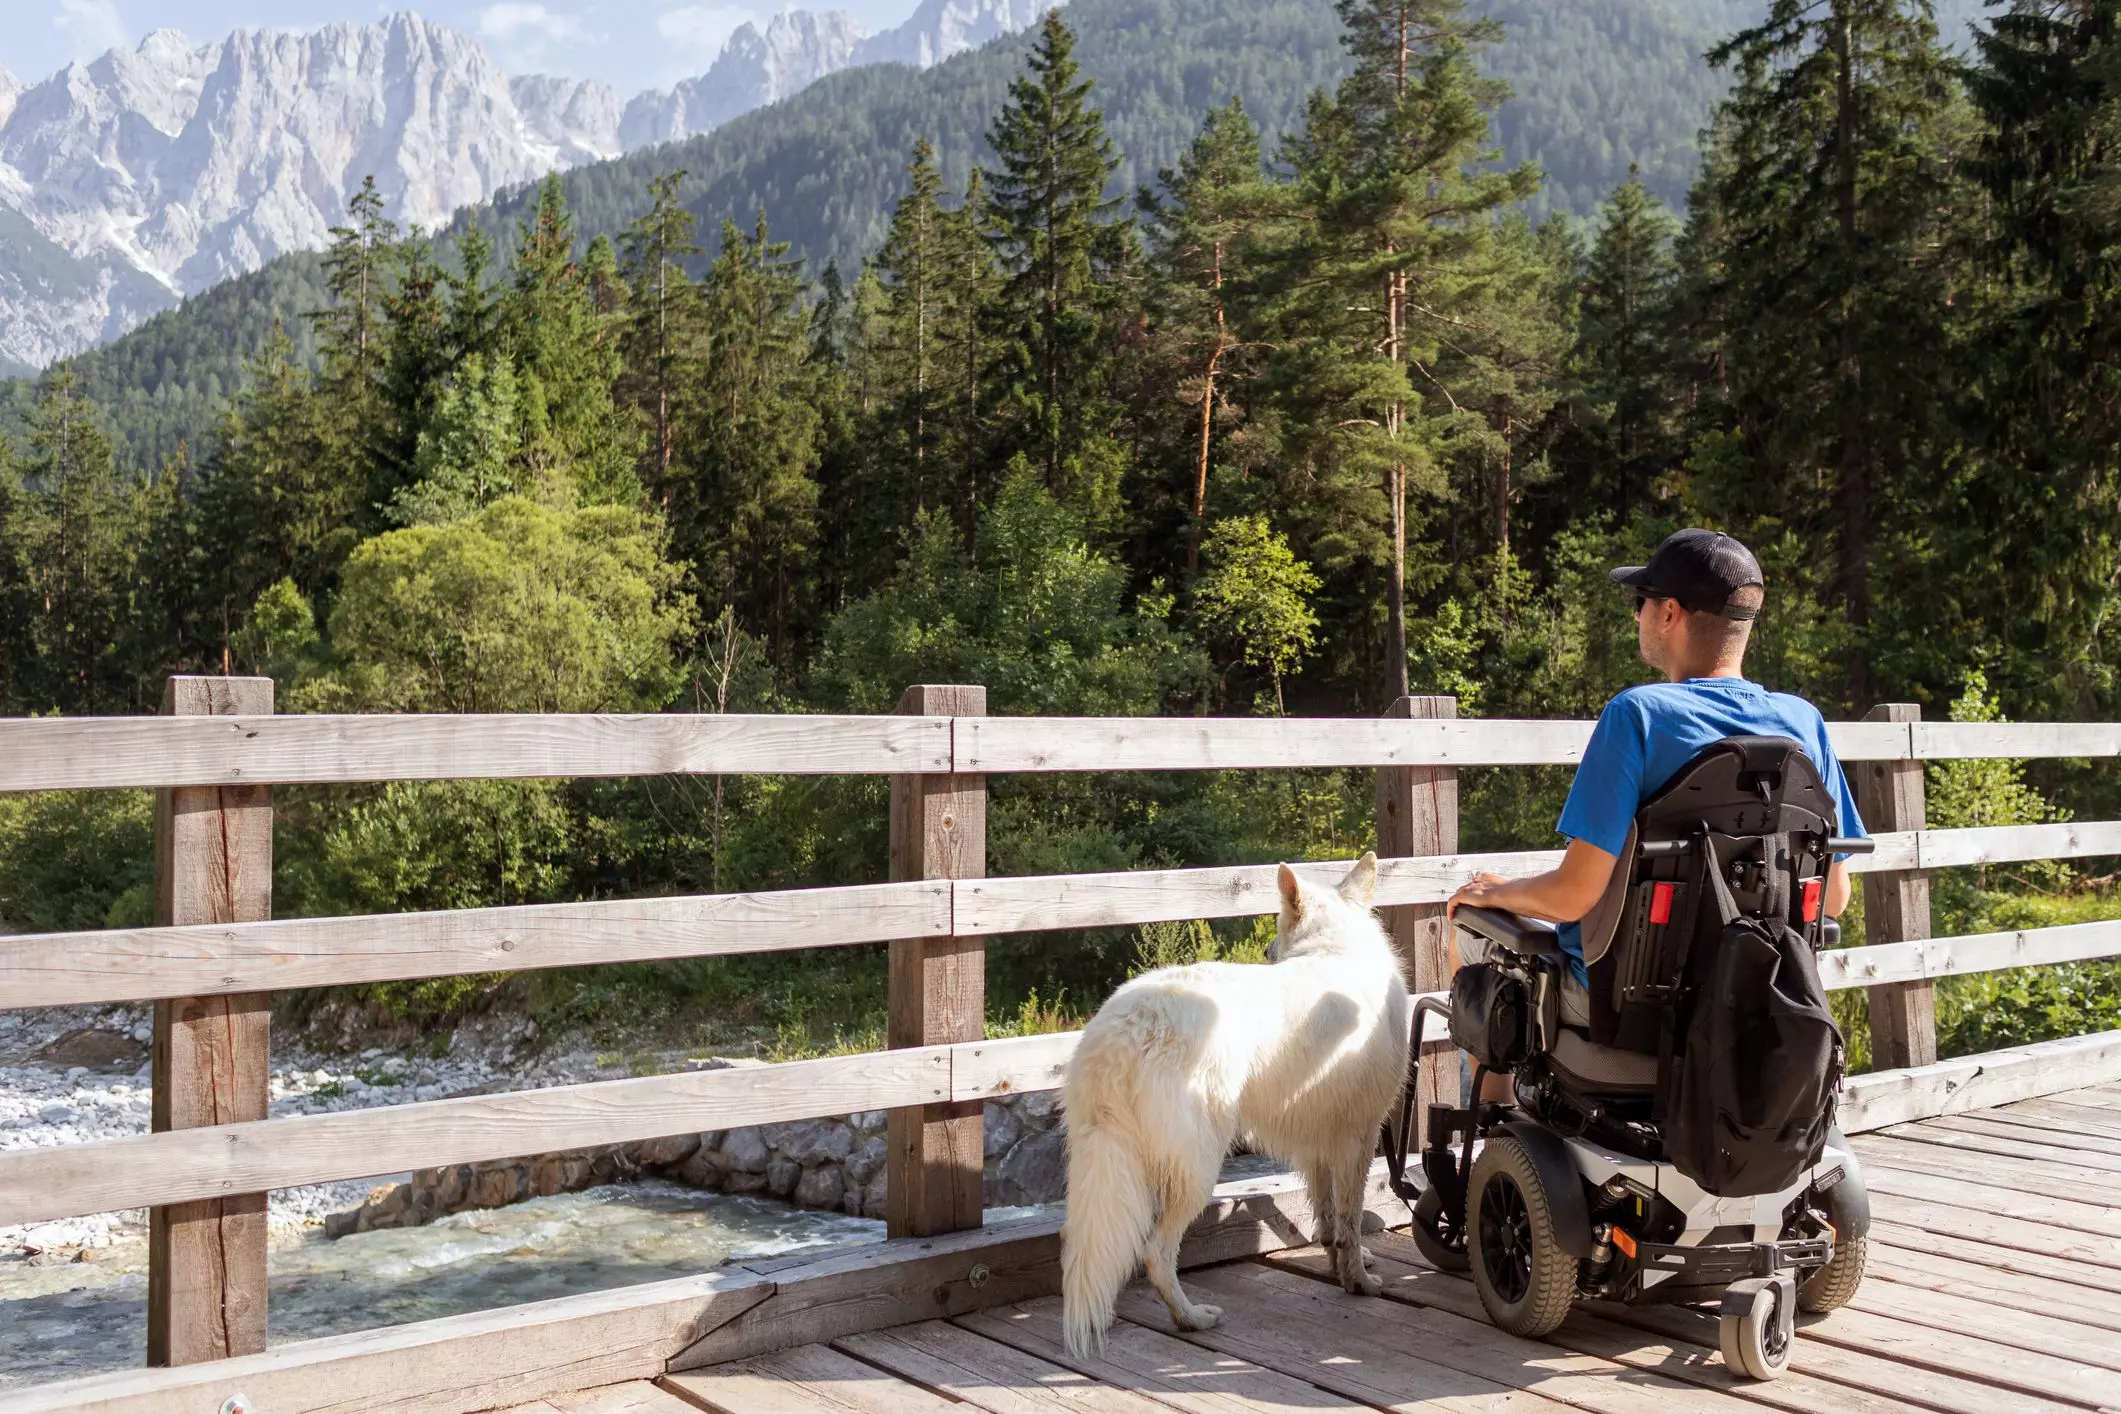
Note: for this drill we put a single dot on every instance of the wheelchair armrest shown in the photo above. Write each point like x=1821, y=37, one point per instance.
x=1527, y=937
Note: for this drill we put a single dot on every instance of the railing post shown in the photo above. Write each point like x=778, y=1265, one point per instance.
x=213, y=864
x=1417, y=814
x=1896, y=905
x=938, y=986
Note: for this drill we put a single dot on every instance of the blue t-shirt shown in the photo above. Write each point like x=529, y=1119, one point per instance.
x=1647, y=733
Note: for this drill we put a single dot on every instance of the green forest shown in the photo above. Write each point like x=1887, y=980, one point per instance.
x=1299, y=427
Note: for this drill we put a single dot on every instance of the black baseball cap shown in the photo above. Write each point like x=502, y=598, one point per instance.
x=1701, y=569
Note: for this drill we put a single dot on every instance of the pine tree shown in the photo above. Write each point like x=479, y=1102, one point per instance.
x=2033, y=526
x=912, y=269
x=1396, y=260
x=662, y=329
x=748, y=516
x=71, y=544
x=576, y=443
x=1063, y=247
x=966, y=348
x=274, y=499
x=360, y=267
x=1829, y=180
x=1622, y=340
x=1203, y=230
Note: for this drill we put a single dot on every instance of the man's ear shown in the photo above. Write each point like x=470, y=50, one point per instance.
x=1361, y=884
x=1292, y=897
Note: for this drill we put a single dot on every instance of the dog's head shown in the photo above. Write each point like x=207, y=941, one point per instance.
x=1306, y=909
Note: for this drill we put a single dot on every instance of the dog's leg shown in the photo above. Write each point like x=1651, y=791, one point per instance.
x=1351, y=1176
x=1183, y=1198
x=1318, y=1184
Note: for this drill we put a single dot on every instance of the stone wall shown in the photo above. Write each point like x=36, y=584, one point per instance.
x=819, y=1163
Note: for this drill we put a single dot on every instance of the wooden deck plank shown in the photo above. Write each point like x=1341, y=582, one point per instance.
x=988, y=1374
x=1943, y=1220
x=2089, y=1118
x=2024, y=1129
x=1278, y=1316
x=2020, y=1146
x=1391, y=1367
x=1408, y=1278
x=634, y=1397
x=804, y=1378
x=1175, y=1373
x=2054, y=1178
x=2053, y=1333
x=2043, y=1295
x=1869, y=1352
x=1895, y=1240
x=1981, y=1197
x=2026, y=1374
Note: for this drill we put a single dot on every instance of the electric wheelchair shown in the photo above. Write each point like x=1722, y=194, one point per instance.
x=1671, y=1138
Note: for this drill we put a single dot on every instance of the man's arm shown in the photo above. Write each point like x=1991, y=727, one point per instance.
x=1560, y=895
x=1839, y=887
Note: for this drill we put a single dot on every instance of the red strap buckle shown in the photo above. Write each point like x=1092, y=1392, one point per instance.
x=1813, y=888
x=1660, y=903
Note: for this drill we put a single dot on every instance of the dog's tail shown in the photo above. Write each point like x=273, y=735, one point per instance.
x=1109, y=1218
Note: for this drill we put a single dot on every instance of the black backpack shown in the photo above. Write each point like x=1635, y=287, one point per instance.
x=1750, y=1091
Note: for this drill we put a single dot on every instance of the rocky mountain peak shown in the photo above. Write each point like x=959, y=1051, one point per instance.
x=152, y=172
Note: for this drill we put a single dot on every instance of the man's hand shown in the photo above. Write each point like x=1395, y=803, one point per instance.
x=1477, y=891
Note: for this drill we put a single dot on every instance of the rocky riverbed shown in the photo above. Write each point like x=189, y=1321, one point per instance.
x=377, y=1251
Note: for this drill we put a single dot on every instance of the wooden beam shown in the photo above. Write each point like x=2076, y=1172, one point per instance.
x=937, y=989
x=1887, y=1097
x=1931, y=958
x=1896, y=906
x=133, y=964
x=136, y=964
x=89, y=753
x=449, y=1366
x=994, y=744
x=182, y=1165
x=1943, y=741
x=1417, y=817
x=210, y=1055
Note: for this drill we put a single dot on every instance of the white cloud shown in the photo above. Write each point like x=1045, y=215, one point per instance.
x=92, y=27
x=696, y=33
x=524, y=19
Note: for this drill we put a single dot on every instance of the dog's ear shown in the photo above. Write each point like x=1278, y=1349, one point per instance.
x=1361, y=883
x=1292, y=896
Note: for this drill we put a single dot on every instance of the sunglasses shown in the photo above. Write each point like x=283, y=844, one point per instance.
x=1645, y=596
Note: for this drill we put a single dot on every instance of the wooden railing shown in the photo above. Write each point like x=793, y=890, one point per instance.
x=214, y=957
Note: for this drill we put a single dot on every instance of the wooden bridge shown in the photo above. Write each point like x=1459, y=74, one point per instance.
x=1998, y=1260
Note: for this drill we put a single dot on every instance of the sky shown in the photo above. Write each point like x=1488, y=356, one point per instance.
x=629, y=44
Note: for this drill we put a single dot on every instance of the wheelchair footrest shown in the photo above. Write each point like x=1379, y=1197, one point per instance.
x=1733, y=1261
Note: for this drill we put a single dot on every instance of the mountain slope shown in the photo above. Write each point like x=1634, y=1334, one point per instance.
x=1599, y=84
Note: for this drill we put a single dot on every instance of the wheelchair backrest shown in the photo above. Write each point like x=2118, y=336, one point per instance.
x=1752, y=807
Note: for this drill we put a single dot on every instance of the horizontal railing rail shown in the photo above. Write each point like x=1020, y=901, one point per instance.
x=104, y=965
x=99, y=753
x=935, y=915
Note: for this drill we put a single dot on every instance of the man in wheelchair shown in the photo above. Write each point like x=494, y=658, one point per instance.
x=1655, y=1064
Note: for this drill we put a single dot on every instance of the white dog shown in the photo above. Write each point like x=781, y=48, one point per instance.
x=1303, y=1058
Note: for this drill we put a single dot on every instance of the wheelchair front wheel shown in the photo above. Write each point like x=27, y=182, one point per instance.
x=1525, y=1280
x=1443, y=1244
x=1757, y=1344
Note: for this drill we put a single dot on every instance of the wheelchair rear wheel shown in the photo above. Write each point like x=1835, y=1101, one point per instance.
x=1834, y=1285
x=1526, y=1281
x=1440, y=1242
